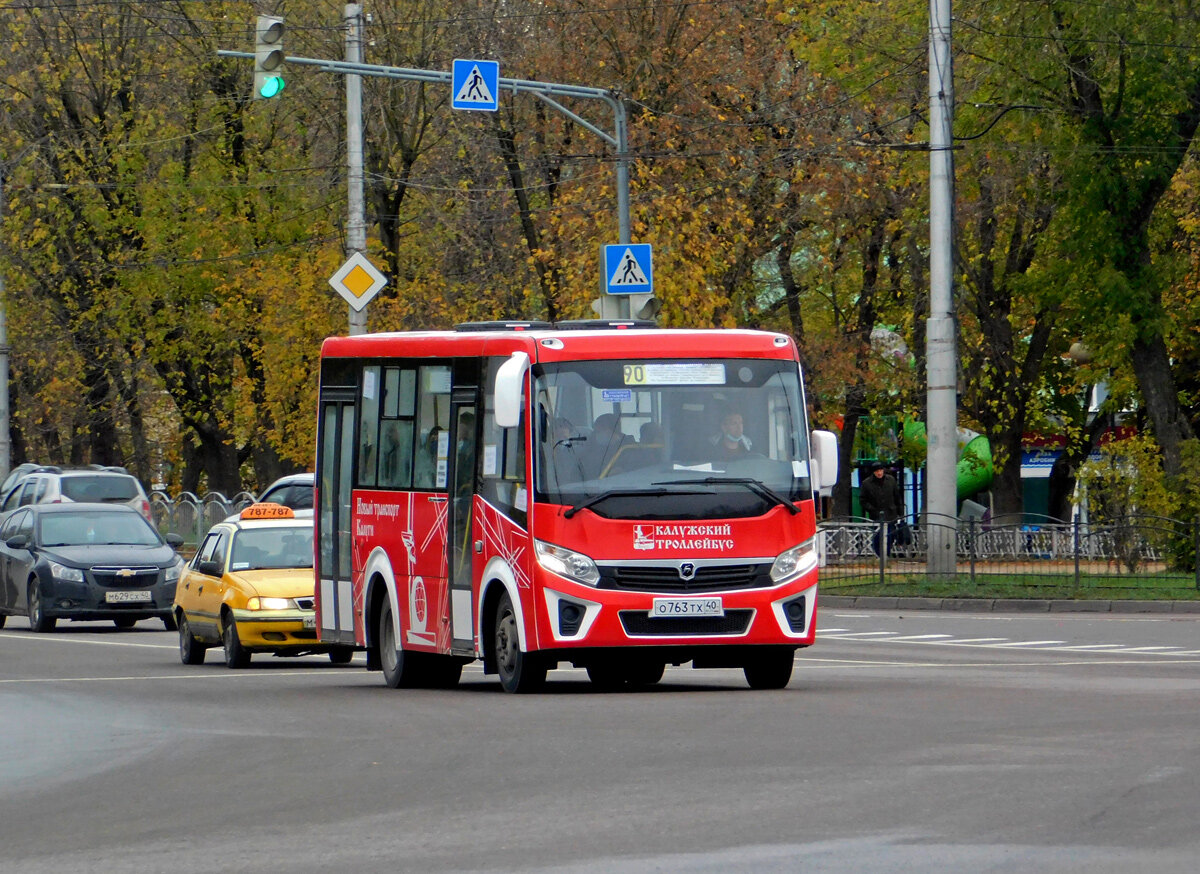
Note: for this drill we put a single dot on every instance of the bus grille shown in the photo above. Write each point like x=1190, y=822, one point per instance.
x=708, y=578
x=638, y=623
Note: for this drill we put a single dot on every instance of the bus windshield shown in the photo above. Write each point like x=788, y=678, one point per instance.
x=686, y=439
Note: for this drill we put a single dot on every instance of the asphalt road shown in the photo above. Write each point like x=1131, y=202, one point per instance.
x=906, y=742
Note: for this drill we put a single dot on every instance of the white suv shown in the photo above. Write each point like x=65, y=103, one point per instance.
x=93, y=485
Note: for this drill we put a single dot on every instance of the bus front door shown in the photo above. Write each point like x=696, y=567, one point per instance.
x=335, y=589
x=461, y=550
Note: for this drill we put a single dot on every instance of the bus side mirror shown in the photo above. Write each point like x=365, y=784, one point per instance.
x=510, y=384
x=825, y=457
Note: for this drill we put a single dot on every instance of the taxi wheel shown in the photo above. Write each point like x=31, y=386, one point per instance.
x=771, y=669
x=341, y=655
x=236, y=655
x=399, y=667
x=191, y=651
x=519, y=671
x=38, y=620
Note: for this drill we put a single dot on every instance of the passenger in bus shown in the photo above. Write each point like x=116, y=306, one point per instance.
x=652, y=434
x=426, y=466
x=731, y=441
x=604, y=444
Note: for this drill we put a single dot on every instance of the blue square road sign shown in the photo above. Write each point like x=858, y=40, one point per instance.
x=475, y=85
x=628, y=269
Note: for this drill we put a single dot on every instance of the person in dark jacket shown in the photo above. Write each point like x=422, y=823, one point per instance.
x=879, y=495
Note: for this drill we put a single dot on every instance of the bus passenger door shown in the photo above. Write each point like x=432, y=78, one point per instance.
x=335, y=597
x=462, y=493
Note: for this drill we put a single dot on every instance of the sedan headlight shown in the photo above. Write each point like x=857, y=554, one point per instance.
x=64, y=573
x=788, y=563
x=257, y=603
x=171, y=574
x=567, y=563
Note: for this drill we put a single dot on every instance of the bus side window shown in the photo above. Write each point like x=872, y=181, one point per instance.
x=399, y=407
x=368, y=426
x=433, y=428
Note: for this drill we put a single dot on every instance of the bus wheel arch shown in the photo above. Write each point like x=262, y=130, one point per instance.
x=377, y=595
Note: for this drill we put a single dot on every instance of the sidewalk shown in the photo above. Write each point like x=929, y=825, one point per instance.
x=1007, y=605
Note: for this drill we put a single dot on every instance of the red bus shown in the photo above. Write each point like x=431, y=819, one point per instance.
x=614, y=496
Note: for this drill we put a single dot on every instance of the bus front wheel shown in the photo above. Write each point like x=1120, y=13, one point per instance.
x=771, y=669
x=519, y=671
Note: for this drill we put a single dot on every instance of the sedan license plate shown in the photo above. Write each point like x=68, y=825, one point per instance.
x=310, y=621
x=665, y=607
x=128, y=597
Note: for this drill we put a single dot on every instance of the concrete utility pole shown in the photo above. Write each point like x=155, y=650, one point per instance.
x=940, y=332
x=356, y=218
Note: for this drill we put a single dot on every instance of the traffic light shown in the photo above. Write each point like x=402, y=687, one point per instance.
x=268, y=57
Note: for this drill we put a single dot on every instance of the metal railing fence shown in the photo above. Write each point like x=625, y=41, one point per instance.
x=190, y=515
x=1138, y=550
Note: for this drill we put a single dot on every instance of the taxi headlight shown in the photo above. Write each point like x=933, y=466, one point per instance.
x=257, y=603
x=62, y=572
x=788, y=563
x=567, y=563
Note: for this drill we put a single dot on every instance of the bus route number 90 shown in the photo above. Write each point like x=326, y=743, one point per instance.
x=635, y=374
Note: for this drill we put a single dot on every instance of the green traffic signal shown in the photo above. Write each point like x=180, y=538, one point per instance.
x=271, y=87
x=268, y=57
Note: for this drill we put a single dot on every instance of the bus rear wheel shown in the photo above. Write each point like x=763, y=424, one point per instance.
x=399, y=668
x=771, y=669
x=519, y=671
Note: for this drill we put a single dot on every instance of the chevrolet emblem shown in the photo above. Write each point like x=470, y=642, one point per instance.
x=125, y=573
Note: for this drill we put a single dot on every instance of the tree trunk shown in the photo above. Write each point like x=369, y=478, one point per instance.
x=1152, y=366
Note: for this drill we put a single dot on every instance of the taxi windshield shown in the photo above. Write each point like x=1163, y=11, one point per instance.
x=276, y=547
x=657, y=439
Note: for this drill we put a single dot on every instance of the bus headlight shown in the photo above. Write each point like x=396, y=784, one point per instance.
x=567, y=563
x=788, y=564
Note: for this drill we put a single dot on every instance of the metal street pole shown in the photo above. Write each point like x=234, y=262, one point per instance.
x=356, y=219
x=940, y=333
x=5, y=443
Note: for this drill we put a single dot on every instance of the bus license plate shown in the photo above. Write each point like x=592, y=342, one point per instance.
x=128, y=597
x=310, y=621
x=665, y=607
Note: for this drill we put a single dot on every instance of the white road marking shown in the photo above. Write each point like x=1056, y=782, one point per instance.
x=855, y=635
x=62, y=638
x=1016, y=643
x=1152, y=649
x=921, y=637
x=199, y=675
x=966, y=640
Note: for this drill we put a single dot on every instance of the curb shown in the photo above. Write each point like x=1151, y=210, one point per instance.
x=1008, y=605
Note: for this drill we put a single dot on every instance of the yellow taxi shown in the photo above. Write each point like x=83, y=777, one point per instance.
x=249, y=589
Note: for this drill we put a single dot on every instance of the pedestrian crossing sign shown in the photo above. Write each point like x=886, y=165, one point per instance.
x=475, y=85
x=628, y=269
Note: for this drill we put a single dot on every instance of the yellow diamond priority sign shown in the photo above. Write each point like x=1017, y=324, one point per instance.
x=357, y=281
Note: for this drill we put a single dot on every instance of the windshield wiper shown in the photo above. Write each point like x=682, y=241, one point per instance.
x=757, y=486
x=622, y=493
